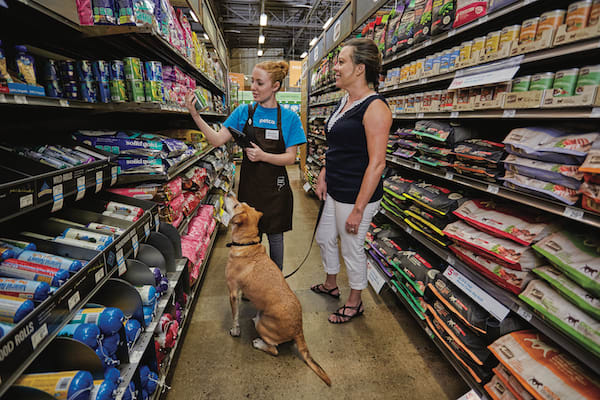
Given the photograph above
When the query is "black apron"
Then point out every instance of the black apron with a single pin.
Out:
(265, 186)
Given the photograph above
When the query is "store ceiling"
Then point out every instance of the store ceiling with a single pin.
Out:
(291, 23)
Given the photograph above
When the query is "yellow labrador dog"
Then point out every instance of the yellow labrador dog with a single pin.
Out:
(250, 271)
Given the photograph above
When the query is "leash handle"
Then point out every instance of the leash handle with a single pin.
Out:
(311, 240)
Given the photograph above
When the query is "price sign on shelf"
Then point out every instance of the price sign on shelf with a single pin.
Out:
(493, 189)
(374, 277)
(57, 197)
(121, 262)
(509, 113)
(135, 244)
(113, 175)
(2, 98)
(449, 175)
(63, 103)
(573, 213)
(524, 313)
(147, 229)
(26, 201)
(156, 222)
(99, 178)
(454, 114)
(21, 99)
(80, 188)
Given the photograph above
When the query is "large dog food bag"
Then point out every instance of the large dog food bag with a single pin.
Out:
(434, 198)
(537, 188)
(563, 314)
(511, 383)
(577, 255)
(498, 390)
(542, 368)
(440, 133)
(568, 176)
(480, 152)
(504, 252)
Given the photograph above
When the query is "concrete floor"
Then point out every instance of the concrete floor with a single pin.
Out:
(381, 355)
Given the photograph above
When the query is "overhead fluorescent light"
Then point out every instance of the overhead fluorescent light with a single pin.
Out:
(313, 41)
(194, 17)
(261, 39)
(263, 19)
(329, 21)
(260, 52)
(206, 36)
(303, 55)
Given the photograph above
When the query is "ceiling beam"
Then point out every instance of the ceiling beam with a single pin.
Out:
(310, 13)
(272, 24)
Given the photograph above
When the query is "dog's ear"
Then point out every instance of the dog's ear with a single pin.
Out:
(240, 218)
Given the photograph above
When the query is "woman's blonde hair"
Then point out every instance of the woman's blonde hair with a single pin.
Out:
(277, 70)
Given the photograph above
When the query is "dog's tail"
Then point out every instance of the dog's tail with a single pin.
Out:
(303, 350)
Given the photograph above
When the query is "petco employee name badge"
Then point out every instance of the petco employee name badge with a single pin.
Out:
(272, 134)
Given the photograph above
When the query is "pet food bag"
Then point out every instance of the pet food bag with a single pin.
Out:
(591, 163)
(423, 9)
(393, 205)
(503, 222)
(577, 255)
(442, 16)
(433, 220)
(570, 290)
(504, 252)
(550, 145)
(440, 133)
(406, 28)
(511, 383)
(568, 176)
(434, 198)
(590, 196)
(431, 234)
(506, 278)
(498, 390)
(543, 369)
(433, 162)
(563, 314)
(391, 34)
(417, 268)
(540, 188)
(480, 152)
(469, 10)
(436, 152)
(478, 171)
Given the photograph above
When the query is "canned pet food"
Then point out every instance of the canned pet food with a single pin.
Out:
(84, 71)
(101, 71)
(133, 69)
(118, 94)
(528, 30)
(550, 20)
(153, 91)
(578, 14)
(70, 90)
(135, 91)
(53, 89)
(465, 50)
(509, 34)
(50, 72)
(117, 70)
(521, 84)
(103, 92)
(153, 71)
(478, 46)
(87, 91)
(594, 14)
(542, 81)
(565, 82)
(67, 70)
(588, 76)
(492, 42)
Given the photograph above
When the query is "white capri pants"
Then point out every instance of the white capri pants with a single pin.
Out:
(332, 224)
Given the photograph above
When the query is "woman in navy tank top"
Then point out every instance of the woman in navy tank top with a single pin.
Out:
(350, 183)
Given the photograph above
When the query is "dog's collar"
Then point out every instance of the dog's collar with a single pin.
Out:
(236, 244)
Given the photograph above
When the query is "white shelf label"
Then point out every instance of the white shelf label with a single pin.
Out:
(306, 187)
(121, 262)
(156, 222)
(409, 230)
(179, 267)
(454, 114)
(72, 302)
(449, 175)
(39, 335)
(417, 166)
(57, 197)
(595, 112)
(63, 103)
(113, 175)
(80, 188)
(483, 19)
(26, 201)
(524, 313)
(135, 244)
(147, 229)
(486, 301)
(21, 99)
(509, 113)
(470, 395)
(427, 43)
(99, 275)
(573, 213)
(2, 98)
(451, 32)
(423, 81)
(450, 260)
(99, 177)
(420, 115)
(136, 356)
(494, 189)
(374, 277)
(394, 288)
(151, 327)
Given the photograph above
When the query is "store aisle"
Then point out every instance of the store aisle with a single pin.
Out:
(382, 354)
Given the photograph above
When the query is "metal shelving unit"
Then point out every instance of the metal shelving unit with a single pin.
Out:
(530, 113)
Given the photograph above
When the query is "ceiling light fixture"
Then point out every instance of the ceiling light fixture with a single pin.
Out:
(261, 39)
(329, 21)
(194, 16)
(303, 55)
(313, 41)
(263, 19)
(260, 52)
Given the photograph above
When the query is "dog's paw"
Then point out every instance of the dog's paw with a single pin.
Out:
(235, 331)
(258, 343)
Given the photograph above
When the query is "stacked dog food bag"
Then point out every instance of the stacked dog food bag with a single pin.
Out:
(195, 241)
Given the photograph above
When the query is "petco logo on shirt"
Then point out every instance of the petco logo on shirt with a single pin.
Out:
(266, 121)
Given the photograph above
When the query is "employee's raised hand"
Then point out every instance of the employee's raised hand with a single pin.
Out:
(190, 102)
(255, 153)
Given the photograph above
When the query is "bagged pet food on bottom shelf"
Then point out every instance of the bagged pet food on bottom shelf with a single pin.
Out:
(504, 222)
(511, 383)
(477, 171)
(498, 390)
(576, 255)
(390, 205)
(570, 290)
(480, 152)
(504, 252)
(590, 196)
(435, 198)
(560, 174)
(396, 186)
(404, 153)
(563, 314)
(543, 368)
(433, 220)
(438, 132)
(433, 162)
(433, 235)
(509, 279)
(416, 268)
(537, 188)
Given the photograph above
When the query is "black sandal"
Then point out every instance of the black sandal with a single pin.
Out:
(320, 289)
(340, 313)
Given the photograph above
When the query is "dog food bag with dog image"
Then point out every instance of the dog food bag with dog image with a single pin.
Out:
(417, 268)
(563, 314)
(498, 390)
(506, 278)
(503, 222)
(577, 255)
(570, 290)
(504, 252)
(511, 383)
(542, 368)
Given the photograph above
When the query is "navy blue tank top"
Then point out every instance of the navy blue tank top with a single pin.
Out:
(347, 157)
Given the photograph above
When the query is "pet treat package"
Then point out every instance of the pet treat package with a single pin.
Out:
(391, 34)
(504, 252)
(501, 221)
(480, 152)
(104, 12)
(442, 16)
(434, 220)
(550, 145)
(536, 187)
(469, 10)
(84, 10)
(511, 383)
(380, 28)
(423, 9)
(564, 315)
(432, 234)
(396, 186)
(498, 390)
(590, 196)
(433, 161)
(506, 278)
(576, 255)
(543, 369)
(568, 176)
(577, 295)
(406, 29)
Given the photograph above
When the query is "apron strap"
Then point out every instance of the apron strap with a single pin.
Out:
(251, 110)
(279, 119)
